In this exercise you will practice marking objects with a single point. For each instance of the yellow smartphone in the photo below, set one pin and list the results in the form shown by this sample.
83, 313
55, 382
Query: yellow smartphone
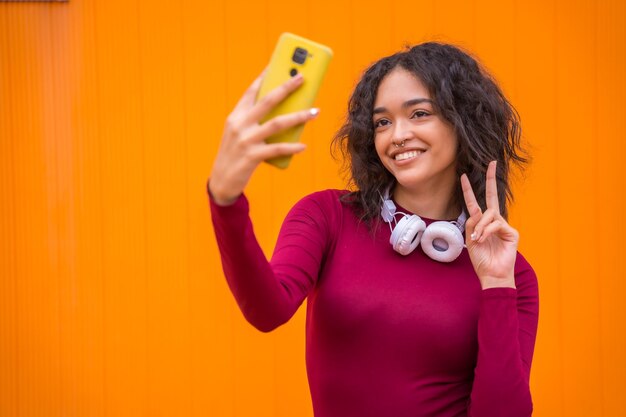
294, 54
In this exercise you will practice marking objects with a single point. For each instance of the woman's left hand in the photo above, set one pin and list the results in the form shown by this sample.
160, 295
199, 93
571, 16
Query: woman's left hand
490, 240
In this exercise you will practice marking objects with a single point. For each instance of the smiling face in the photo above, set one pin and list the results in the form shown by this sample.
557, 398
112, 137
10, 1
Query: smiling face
405, 113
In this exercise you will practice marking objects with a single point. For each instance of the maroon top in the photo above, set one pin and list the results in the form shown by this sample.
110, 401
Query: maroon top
386, 335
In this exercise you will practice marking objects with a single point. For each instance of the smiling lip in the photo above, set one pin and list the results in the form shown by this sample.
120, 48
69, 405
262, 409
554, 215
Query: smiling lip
404, 155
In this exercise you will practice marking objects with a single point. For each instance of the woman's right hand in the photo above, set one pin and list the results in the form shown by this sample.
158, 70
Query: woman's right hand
243, 145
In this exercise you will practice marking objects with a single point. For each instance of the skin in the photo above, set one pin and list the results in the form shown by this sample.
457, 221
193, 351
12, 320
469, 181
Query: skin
243, 145
490, 240
404, 113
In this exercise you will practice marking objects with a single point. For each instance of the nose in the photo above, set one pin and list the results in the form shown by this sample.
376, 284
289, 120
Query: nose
402, 132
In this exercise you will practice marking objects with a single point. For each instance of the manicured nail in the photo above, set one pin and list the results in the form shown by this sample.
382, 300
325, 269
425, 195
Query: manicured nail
314, 111
473, 236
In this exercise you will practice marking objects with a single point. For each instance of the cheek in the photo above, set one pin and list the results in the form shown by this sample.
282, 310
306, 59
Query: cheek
454, 143
380, 146
449, 141
381, 151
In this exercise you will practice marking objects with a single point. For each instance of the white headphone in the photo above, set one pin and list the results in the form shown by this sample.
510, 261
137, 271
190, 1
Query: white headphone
441, 240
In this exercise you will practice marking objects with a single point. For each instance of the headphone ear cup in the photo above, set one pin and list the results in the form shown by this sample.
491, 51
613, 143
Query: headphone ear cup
407, 233
442, 241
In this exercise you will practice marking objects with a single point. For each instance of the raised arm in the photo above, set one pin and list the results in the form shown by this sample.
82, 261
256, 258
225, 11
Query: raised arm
509, 309
507, 328
269, 293
265, 298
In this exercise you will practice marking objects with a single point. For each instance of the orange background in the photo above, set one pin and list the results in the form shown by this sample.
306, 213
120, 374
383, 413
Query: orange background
112, 299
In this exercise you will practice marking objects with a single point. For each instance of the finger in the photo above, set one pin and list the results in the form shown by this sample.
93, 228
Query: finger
491, 192
487, 218
280, 123
264, 105
469, 228
470, 198
273, 150
501, 228
475, 213
248, 98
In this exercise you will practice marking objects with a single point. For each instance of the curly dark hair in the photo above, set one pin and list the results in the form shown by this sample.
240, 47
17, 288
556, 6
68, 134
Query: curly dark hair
487, 126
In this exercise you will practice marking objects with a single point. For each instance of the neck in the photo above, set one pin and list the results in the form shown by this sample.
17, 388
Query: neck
430, 202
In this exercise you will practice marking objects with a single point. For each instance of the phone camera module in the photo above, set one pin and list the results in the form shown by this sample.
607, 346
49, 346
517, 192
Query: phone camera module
299, 56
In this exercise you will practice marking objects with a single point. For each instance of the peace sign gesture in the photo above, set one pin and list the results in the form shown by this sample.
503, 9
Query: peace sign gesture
490, 240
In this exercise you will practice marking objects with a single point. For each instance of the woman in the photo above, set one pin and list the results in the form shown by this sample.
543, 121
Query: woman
388, 333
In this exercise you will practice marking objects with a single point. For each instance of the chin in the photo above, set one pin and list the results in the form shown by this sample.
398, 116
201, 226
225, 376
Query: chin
412, 180
409, 182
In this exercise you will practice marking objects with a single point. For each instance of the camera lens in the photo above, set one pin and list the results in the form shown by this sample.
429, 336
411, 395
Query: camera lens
293, 72
299, 56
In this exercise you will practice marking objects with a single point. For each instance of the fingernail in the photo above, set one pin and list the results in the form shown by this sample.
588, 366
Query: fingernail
298, 77
314, 111
473, 236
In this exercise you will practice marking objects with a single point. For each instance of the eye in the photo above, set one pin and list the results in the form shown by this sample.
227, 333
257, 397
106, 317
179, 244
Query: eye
419, 113
381, 123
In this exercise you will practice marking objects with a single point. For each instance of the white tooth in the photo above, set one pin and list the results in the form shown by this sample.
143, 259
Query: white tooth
407, 155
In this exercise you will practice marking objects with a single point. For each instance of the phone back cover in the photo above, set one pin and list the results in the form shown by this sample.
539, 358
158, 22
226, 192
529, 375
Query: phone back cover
279, 71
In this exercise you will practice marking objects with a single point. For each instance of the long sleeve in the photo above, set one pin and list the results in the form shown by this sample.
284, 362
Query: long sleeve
507, 328
269, 293
386, 334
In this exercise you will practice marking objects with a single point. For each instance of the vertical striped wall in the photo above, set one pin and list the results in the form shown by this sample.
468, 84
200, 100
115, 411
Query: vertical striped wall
112, 300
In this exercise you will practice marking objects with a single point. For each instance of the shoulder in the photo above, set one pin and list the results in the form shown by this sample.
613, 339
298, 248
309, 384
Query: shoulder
320, 207
325, 200
318, 215
329, 195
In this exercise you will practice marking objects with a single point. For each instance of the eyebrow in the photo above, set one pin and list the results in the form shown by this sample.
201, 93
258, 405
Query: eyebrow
406, 104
